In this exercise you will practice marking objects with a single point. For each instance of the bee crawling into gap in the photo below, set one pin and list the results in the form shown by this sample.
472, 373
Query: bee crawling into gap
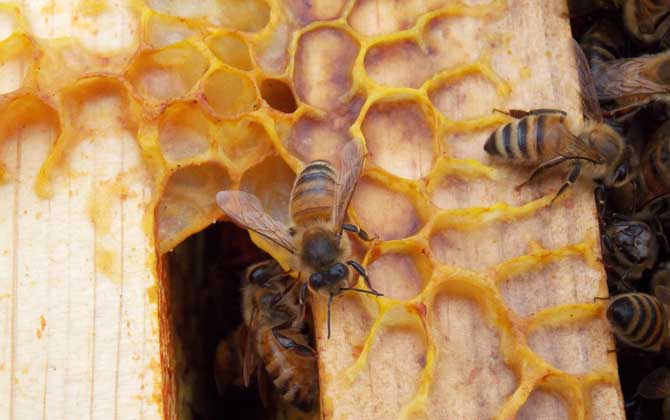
318, 205
546, 138
278, 335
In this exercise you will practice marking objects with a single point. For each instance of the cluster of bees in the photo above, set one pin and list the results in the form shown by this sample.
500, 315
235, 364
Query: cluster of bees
623, 144
276, 340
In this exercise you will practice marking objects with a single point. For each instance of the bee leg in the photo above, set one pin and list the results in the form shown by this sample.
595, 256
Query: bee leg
540, 111
572, 177
543, 167
359, 268
290, 344
358, 231
330, 303
520, 113
279, 296
600, 194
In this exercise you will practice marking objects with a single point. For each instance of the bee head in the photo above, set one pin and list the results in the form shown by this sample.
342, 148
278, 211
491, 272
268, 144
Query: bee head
331, 279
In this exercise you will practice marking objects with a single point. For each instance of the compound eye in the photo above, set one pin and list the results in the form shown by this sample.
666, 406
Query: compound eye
258, 276
338, 271
621, 174
317, 280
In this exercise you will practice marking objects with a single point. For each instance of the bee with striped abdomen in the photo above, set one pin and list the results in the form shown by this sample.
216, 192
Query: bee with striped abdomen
640, 320
546, 138
318, 206
278, 335
648, 21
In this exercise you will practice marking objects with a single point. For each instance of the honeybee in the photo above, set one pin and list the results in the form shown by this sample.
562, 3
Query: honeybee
648, 21
632, 83
603, 41
318, 206
640, 320
631, 248
546, 138
277, 335
656, 386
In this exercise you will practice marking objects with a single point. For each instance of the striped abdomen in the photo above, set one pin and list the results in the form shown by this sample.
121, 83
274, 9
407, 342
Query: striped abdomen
638, 320
313, 195
531, 139
604, 41
294, 373
656, 163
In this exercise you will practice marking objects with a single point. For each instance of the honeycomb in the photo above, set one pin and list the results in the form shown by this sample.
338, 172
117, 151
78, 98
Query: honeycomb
122, 119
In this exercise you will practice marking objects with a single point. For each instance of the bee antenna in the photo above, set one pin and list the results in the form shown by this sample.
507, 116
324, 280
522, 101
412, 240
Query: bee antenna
367, 292
330, 302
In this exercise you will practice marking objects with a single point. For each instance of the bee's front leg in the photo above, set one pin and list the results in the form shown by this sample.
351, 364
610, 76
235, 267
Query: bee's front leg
290, 344
358, 231
360, 270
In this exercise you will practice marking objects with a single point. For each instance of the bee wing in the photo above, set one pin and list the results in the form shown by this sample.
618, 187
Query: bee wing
656, 385
246, 210
590, 104
569, 145
250, 360
627, 77
349, 170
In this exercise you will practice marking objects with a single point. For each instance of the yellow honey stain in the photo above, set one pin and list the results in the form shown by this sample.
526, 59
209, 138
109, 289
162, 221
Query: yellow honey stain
155, 368
49, 8
92, 7
524, 73
101, 204
152, 294
40, 329
107, 263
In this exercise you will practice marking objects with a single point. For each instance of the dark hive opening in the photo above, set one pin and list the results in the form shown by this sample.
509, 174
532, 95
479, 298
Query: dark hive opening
204, 279
205, 273
278, 95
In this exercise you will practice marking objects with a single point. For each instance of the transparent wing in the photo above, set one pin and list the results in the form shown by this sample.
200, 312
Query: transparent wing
569, 145
349, 170
630, 77
247, 211
250, 361
590, 104
656, 385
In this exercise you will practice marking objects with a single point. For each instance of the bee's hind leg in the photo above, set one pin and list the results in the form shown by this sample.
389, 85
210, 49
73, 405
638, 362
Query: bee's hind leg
358, 231
540, 169
572, 177
520, 113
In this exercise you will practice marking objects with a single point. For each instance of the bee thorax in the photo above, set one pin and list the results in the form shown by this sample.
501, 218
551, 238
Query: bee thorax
320, 248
